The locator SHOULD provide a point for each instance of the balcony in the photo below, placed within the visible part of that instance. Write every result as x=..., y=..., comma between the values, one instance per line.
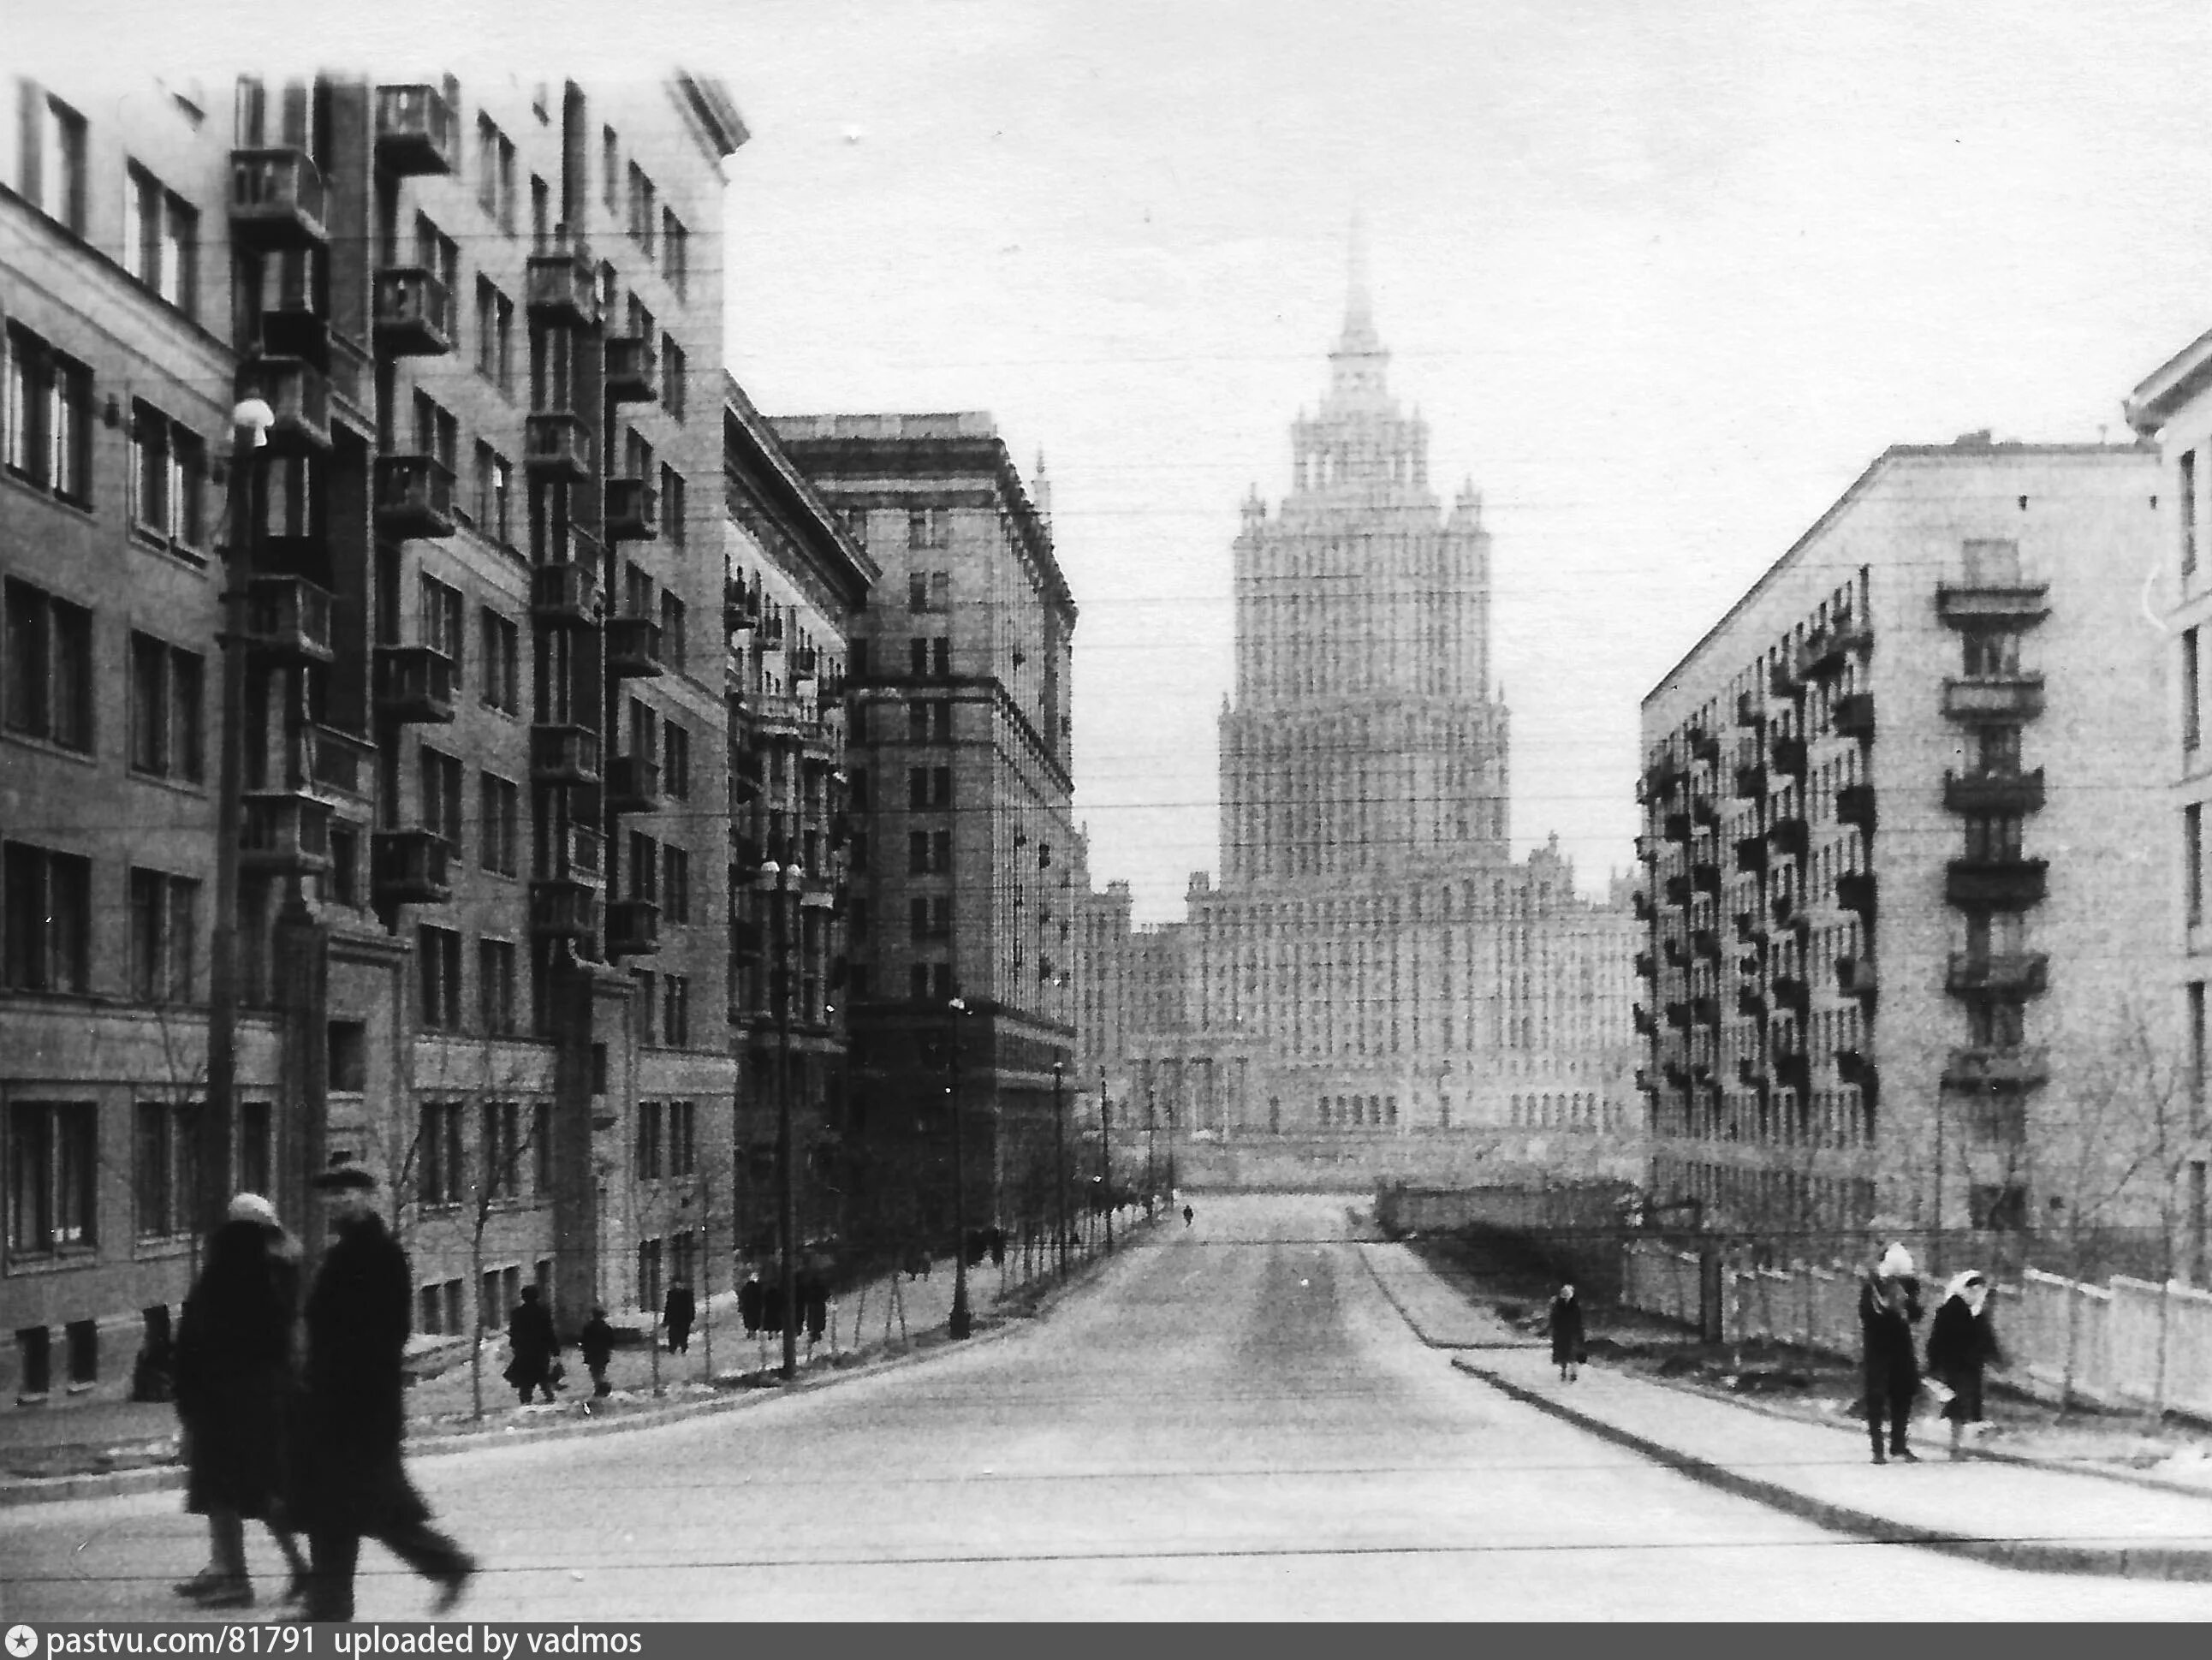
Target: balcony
x=299, y=395
x=408, y=867
x=341, y=764
x=295, y=556
x=2008, y=605
x=1819, y=656
x=1677, y=954
x=1646, y=1023
x=565, y=596
x=2005, y=700
x=1705, y=877
x=562, y=289
x=1676, y=827
x=564, y=754
x=1677, y=1075
x=630, y=368
x=414, y=313
x=633, y=647
x=1855, y=806
x=414, y=685
x=1996, y=883
x=283, y=833
x=416, y=131
x=1782, y=679
x=1993, y=794
x=575, y=854
x=1975, y=1068
x=276, y=201
x=746, y=938
x=633, y=927
x=1789, y=835
x=1677, y=891
x=1704, y=746
x=1750, y=1005
x=1793, y=993
x=1705, y=943
x=1750, y=854
x=1855, y=976
x=563, y=910
x=1661, y=778
x=1748, y=929
x=633, y=784
x=556, y=445
x=1853, y=716
x=1855, y=891
x=632, y=511
x=1647, y=851
x=1640, y=903
x=414, y=498
x=1750, y=708
x=1793, y=1070
x=1752, y=1075
x=1677, y=1014
x=2013, y=974
x=1705, y=1011
x=288, y=618
x=1788, y=755
x=1750, y=782
x=1647, y=966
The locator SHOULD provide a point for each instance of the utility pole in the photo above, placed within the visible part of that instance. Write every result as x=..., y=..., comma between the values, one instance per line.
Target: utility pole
x=1152, y=1142
x=1106, y=1156
x=1059, y=1165
x=962, y=1323
x=250, y=422
x=775, y=878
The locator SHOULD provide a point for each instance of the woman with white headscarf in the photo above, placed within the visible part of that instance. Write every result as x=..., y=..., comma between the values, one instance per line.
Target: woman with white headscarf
x=1961, y=1343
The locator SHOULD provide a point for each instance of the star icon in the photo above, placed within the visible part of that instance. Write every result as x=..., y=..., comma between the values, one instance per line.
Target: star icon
x=22, y=1642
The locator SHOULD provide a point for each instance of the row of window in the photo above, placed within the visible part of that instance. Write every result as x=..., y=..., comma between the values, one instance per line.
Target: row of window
x=667, y=1140
x=630, y=195
x=48, y=927
x=54, y=1165
x=514, y=1155
x=664, y=1003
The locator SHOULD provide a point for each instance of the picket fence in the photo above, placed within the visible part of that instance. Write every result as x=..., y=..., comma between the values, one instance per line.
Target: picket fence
x=2115, y=1330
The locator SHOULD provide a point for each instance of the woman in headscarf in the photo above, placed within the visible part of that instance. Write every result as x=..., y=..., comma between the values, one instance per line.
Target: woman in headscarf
x=1889, y=1305
x=1566, y=1324
x=1961, y=1343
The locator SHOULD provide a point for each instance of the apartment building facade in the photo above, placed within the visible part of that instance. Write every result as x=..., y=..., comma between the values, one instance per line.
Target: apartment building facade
x=961, y=915
x=483, y=775
x=2172, y=406
x=797, y=580
x=1899, y=905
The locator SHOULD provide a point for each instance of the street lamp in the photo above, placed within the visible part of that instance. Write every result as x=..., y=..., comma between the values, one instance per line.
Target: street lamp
x=1059, y=1165
x=777, y=880
x=962, y=1324
x=1106, y=1156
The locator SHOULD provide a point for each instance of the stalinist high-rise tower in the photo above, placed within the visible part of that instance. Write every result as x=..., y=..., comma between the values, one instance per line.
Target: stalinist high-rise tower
x=1377, y=988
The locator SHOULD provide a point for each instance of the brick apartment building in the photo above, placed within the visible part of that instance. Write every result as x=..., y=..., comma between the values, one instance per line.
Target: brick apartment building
x=1904, y=923
x=962, y=902
x=483, y=854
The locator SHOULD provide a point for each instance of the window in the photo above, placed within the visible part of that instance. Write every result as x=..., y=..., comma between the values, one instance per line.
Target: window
x=164, y=936
x=498, y=801
x=48, y=417
x=1996, y=749
x=940, y=980
x=644, y=728
x=168, y=478
x=671, y=505
x=917, y=788
x=1996, y=838
x=683, y=1138
x=675, y=1009
x=2197, y=1048
x=164, y=1168
x=440, y=777
x=642, y=209
x=495, y=174
x=541, y=214
x=348, y=1055
x=917, y=980
x=541, y=1146
x=917, y=853
x=929, y=854
x=499, y=1145
x=438, y=952
x=495, y=336
x=2192, y=859
x=940, y=786
x=930, y=918
x=257, y=1146
x=611, y=161
x=1994, y=1024
x=647, y=1006
x=2187, y=491
x=441, y=255
x=644, y=866
x=2192, y=692
x=48, y=928
x=162, y=240
x=502, y=659
x=675, y=253
x=671, y=629
x=673, y=373
x=166, y=725
x=1994, y=656
x=675, y=885
x=440, y=1158
x=52, y=1148
x=928, y=527
x=53, y=174
x=648, y=1140
x=675, y=760
x=442, y=622
x=493, y=512
x=437, y=432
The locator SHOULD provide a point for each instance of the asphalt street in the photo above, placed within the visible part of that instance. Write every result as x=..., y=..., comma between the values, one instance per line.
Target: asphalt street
x=1231, y=1422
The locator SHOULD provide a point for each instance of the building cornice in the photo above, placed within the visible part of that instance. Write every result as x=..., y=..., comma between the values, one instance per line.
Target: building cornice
x=754, y=460
x=2161, y=393
x=708, y=102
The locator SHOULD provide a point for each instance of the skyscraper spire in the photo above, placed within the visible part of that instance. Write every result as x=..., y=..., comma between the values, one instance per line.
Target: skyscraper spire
x=1358, y=364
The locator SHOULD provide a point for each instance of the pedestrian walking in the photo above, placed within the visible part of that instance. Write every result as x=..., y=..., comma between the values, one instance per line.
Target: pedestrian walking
x=1889, y=1307
x=814, y=1298
x=597, y=1344
x=1961, y=1342
x=234, y=1375
x=1188, y=1216
x=530, y=1347
x=678, y=1315
x=347, y=1480
x=1566, y=1328
x=750, y=1298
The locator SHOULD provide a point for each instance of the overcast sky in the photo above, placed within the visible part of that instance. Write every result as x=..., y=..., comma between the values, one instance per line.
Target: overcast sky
x=1664, y=279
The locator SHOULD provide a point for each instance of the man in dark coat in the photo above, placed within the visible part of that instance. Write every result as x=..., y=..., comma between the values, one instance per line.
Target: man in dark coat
x=1889, y=1307
x=232, y=1369
x=680, y=1310
x=530, y=1347
x=348, y=1480
x=596, y=1343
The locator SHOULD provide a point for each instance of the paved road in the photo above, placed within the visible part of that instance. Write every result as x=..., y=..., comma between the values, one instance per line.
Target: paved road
x=1234, y=1424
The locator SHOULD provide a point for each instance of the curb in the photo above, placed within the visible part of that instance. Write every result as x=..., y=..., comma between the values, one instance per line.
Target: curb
x=62, y=1489
x=2031, y=1556
x=1414, y=1325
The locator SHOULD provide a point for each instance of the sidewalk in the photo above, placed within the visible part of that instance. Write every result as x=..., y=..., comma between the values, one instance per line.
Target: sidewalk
x=117, y=1447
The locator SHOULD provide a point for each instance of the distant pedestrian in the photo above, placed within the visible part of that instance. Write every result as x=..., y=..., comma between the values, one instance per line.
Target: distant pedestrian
x=678, y=1315
x=750, y=1296
x=1961, y=1342
x=530, y=1347
x=1889, y=1307
x=348, y=1481
x=917, y=1262
x=596, y=1342
x=1188, y=1216
x=234, y=1373
x=1566, y=1327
